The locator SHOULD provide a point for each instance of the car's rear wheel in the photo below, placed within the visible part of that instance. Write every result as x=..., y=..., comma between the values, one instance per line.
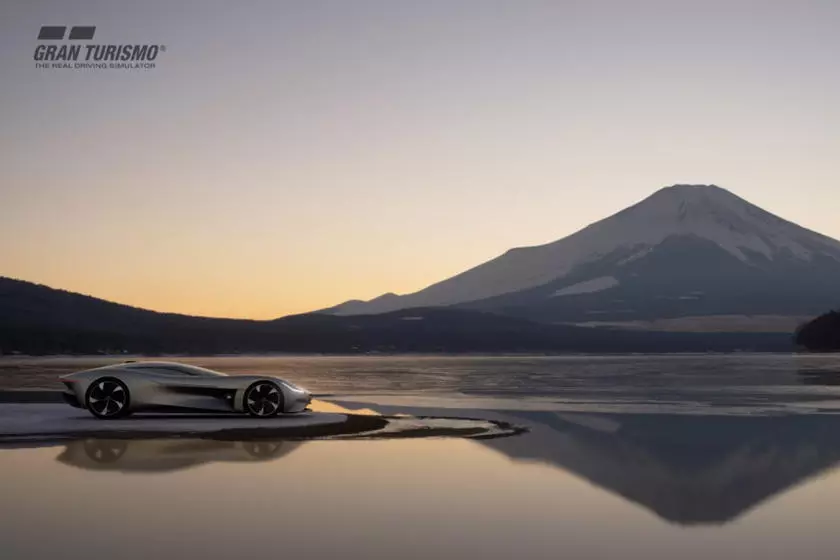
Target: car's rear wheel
x=108, y=397
x=263, y=399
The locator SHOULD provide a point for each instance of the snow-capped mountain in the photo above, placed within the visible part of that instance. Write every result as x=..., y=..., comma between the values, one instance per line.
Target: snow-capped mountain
x=684, y=250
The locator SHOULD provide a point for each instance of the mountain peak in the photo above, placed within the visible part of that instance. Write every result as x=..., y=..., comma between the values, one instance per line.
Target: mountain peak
x=696, y=210
x=712, y=213
x=695, y=193
x=692, y=187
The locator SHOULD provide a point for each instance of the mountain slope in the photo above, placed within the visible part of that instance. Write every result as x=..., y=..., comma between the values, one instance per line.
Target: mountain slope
x=685, y=250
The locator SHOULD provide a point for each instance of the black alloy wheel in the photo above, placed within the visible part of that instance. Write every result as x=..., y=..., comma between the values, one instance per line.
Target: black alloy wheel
x=263, y=399
x=108, y=398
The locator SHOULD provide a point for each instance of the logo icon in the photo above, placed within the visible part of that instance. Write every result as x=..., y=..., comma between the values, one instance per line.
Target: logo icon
x=54, y=53
x=56, y=32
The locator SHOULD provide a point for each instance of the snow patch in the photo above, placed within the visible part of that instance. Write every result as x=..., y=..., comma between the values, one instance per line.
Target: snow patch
x=588, y=286
x=635, y=256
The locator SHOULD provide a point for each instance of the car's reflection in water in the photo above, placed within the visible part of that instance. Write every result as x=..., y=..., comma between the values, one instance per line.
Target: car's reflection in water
x=164, y=455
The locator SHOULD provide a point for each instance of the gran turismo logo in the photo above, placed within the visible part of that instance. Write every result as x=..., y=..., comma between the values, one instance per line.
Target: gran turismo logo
x=52, y=52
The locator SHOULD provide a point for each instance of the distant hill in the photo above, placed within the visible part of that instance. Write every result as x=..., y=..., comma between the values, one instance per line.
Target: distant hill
x=36, y=319
x=821, y=334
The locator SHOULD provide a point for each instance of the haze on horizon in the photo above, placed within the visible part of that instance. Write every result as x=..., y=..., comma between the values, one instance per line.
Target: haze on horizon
x=288, y=156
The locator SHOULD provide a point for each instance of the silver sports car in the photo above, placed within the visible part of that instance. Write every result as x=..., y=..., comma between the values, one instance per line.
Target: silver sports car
x=118, y=390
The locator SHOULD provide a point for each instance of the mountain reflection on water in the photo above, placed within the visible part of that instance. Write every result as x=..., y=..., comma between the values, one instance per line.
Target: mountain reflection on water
x=826, y=376
x=688, y=469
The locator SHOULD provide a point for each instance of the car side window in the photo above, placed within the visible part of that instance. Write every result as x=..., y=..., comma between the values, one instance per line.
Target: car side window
x=163, y=370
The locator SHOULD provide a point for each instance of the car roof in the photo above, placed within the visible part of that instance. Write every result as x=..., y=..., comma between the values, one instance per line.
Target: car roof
x=150, y=363
x=187, y=368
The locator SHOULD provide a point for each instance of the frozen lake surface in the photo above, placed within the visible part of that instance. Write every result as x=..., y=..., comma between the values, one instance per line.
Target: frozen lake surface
x=746, y=383
x=652, y=457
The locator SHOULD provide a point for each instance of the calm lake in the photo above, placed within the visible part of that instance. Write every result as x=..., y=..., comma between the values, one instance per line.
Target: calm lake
x=649, y=457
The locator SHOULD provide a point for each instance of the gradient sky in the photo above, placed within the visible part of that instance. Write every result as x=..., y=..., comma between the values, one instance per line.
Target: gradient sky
x=287, y=156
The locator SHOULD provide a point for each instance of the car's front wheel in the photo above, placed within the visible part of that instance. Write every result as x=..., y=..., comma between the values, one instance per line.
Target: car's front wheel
x=108, y=397
x=263, y=399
